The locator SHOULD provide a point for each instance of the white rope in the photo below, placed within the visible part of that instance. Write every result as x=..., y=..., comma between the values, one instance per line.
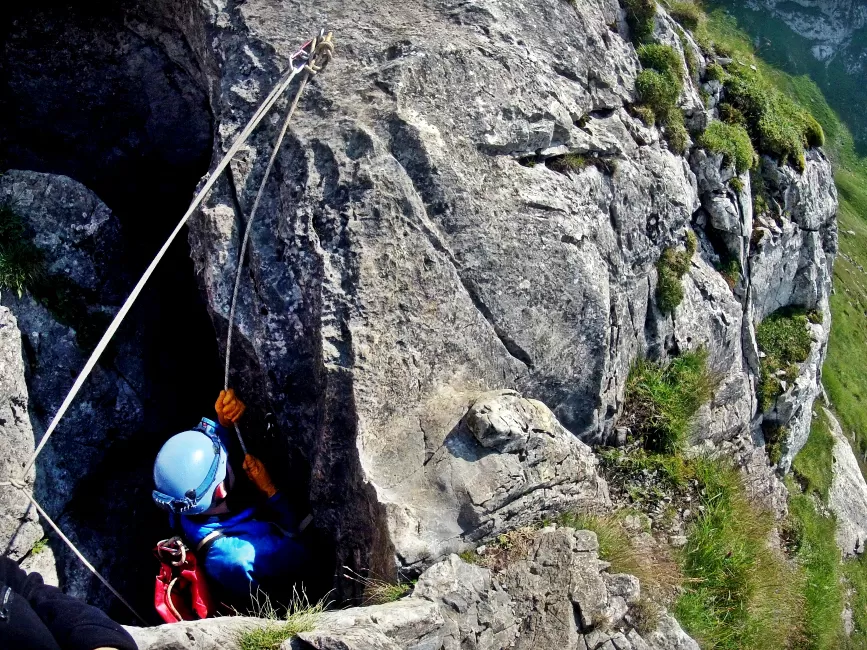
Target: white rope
x=322, y=49
x=78, y=554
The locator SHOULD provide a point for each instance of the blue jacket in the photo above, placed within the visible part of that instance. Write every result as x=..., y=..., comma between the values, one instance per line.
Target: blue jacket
x=260, y=550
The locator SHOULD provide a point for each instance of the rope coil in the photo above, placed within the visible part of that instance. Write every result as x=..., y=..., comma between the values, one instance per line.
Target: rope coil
x=321, y=50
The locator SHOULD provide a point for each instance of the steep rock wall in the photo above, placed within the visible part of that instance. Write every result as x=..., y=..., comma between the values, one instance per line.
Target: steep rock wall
x=405, y=261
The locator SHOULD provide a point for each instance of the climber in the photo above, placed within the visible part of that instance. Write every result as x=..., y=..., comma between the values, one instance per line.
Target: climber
x=246, y=539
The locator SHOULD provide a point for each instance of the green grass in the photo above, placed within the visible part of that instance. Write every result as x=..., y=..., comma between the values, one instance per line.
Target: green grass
x=300, y=617
x=732, y=141
x=662, y=400
x=688, y=14
x=21, y=263
x=814, y=547
x=741, y=593
x=670, y=269
x=778, y=124
x=813, y=464
x=855, y=574
x=640, y=16
x=785, y=340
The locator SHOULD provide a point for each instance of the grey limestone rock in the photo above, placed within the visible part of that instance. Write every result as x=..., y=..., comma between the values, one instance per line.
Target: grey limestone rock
x=406, y=263
x=506, y=464
x=80, y=240
x=19, y=525
x=847, y=498
x=556, y=595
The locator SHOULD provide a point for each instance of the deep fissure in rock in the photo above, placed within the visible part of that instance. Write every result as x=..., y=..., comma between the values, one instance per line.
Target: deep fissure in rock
x=84, y=96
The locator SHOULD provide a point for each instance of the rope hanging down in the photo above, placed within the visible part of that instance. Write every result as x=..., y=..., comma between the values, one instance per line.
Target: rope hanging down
x=323, y=49
x=310, y=58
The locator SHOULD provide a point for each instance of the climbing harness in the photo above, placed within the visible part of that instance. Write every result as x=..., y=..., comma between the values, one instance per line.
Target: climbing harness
x=310, y=58
x=181, y=592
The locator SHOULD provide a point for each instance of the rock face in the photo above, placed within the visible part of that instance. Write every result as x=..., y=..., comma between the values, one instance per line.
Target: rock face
x=80, y=239
x=785, y=257
x=556, y=595
x=440, y=311
x=405, y=262
x=847, y=497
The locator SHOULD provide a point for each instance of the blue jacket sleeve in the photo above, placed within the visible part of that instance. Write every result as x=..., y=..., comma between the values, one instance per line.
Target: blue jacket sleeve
x=230, y=562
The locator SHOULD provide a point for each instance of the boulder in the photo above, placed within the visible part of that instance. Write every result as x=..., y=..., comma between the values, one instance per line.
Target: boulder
x=507, y=463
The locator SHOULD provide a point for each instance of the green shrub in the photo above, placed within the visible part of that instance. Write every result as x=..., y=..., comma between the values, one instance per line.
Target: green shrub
x=659, y=91
x=687, y=14
x=813, y=466
x=732, y=141
x=776, y=124
x=737, y=184
x=641, y=18
x=740, y=592
x=672, y=266
x=21, y=263
x=661, y=400
x=715, y=72
x=731, y=115
x=662, y=58
x=785, y=340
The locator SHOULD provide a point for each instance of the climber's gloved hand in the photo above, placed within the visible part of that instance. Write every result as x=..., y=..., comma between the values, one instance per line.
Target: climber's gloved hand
x=229, y=408
x=259, y=476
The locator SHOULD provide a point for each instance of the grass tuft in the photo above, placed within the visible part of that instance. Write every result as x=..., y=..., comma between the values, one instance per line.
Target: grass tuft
x=21, y=263
x=641, y=18
x=732, y=141
x=300, y=617
x=662, y=400
x=672, y=266
x=657, y=571
x=785, y=340
x=687, y=14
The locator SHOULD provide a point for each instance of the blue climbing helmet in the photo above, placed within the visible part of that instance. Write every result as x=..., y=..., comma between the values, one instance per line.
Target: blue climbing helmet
x=188, y=469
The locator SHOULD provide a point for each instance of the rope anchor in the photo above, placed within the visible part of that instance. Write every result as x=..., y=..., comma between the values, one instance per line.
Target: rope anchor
x=311, y=58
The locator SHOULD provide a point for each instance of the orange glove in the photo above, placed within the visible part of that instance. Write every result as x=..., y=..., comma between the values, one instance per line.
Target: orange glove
x=259, y=476
x=229, y=408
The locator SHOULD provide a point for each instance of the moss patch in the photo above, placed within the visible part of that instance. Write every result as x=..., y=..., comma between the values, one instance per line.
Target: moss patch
x=785, y=340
